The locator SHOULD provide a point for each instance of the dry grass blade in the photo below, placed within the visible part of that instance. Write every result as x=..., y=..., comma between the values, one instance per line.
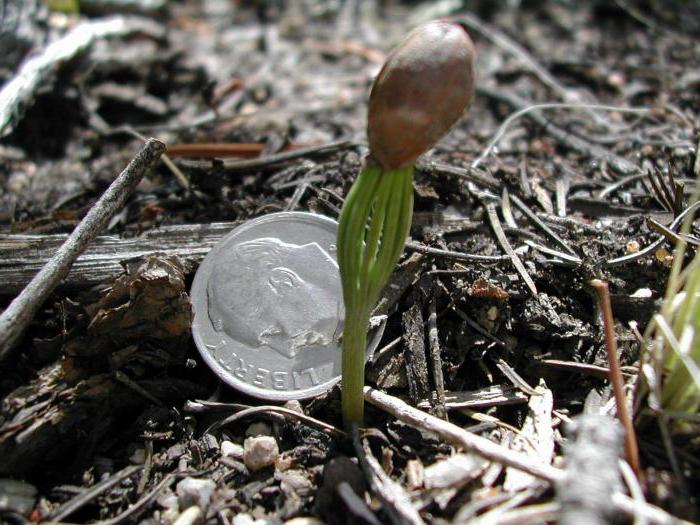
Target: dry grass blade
x=503, y=241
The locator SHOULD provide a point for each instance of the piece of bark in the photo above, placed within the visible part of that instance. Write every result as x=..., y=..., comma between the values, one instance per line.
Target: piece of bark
x=414, y=354
x=536, y=432
x=591, y=475
x=140, y=326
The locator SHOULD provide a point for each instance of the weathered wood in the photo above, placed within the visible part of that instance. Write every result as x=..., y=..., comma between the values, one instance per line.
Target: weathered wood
x=22, y=256
x=17, y=316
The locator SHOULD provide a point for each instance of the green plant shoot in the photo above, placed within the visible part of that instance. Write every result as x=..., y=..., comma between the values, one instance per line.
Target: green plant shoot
x=424, y=87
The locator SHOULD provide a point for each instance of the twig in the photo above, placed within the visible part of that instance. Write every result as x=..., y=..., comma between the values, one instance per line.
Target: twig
x=137, y=508
x=618, y=383
x=19, y=92
x=477, y=176
x=634, y=488
x=490, y=450
x=455, y=255
x=503, y=241
x=600, y=372
x=620, y=164
x=460, y=437
x=270, y=161
x=278, y=410
x=436, y=360
x=536, y=108
x=87, y=496
x=654, y=245
x=515, y=379
x=15, y=319
x=490, y=396
x=536, y=513
x=477, y=327
x=395, y=499
x=540, y=224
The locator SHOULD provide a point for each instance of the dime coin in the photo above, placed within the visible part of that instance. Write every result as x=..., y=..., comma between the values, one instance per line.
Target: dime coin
x=268, y=307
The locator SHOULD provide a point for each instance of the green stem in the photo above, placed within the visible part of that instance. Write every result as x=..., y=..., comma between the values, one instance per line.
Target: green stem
x=354, y=346
x=373, y=225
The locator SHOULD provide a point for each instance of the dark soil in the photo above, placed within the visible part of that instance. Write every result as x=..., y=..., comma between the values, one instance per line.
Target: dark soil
x=107, y=380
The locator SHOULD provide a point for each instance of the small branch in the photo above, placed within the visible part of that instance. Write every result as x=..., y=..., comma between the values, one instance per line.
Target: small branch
x=536, y=108
x=457, y=256
x=15, y=319
x=460, y=437
x=90, y=494
x=503, y=241
x=490, y=450
x=436, y=359
x=618, y=383
x=271, y=161
x=396, y=500
x=595, y=151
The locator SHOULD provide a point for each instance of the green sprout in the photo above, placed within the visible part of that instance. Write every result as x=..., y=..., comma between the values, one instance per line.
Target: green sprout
x=424, y=87
x=675, y=329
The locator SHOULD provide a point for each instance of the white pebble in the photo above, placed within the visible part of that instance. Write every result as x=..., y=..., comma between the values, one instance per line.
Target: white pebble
x=193, y=491
x=189, y=517
x=231, y=449
x=260, y=452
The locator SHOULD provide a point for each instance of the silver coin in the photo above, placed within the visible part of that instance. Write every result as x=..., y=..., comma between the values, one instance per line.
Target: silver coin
x=268, y=307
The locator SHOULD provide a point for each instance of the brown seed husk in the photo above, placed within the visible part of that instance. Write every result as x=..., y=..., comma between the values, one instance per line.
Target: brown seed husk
x=425, y=86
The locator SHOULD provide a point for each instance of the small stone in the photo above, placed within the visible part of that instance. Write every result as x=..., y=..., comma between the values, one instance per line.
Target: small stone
x=260, y=452
x=193, y=491
x=243, y=519
x=232, y=450
x=16, y=496
x=642, y=293
x=295, y=481
x=189, y=517
x=171, y=508
x=293, y=404
x=305, y=520
x=258, y=429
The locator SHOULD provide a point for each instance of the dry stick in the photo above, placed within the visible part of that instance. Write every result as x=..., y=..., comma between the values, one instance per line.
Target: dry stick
x=460, y=437
x=90, y=494
x=435, y=357
x=540, y=224
x=37, y=71
x=503, y=241
x=524, y=107
x=618, y=383
x=15, y=319
x=654, y=245
x=536, y=108
x=457, y=256
x=396, y=500
x=494, y=452
x=270, y=161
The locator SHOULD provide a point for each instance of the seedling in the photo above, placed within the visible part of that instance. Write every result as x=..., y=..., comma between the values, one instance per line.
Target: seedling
x=424, y=87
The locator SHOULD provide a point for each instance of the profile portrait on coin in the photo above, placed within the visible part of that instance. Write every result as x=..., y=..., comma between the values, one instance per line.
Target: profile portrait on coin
x=269, y=293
